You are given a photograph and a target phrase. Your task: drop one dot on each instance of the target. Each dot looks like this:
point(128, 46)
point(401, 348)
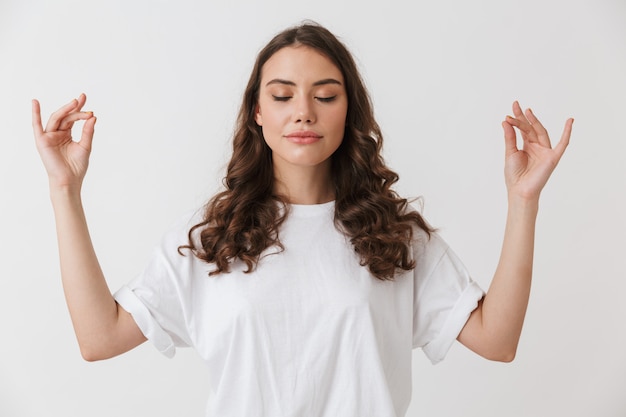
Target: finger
point(525, 127)
point(517, 111)
point(510, 139)
point(68, 121)
point(82, 98)
point(564, 141)
point(86, 137)
point(542, 134)
point(36, 119)
point(55, 118)
point(520, 121)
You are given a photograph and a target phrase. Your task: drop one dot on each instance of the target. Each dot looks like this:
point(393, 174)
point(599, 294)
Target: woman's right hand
point(65, 160)
point(103, 328)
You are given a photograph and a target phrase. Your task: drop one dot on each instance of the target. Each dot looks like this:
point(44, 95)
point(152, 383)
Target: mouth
point(303, 137)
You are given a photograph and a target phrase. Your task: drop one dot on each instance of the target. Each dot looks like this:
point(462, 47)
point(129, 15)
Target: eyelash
point(320, 99)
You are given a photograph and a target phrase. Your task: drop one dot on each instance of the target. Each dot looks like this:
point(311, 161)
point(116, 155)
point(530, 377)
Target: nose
point(304, 111)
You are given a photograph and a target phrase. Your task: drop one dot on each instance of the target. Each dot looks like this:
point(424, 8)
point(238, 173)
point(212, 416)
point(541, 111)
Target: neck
point(305, 185)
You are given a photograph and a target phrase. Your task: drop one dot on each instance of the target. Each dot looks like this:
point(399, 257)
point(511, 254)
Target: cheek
point(338, 121)
point(272, 118)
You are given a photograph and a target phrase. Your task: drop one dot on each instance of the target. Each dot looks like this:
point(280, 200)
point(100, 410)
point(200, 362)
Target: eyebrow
point(291, 83)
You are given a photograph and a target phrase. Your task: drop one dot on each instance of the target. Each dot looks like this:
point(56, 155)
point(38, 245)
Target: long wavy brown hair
point(244, 219)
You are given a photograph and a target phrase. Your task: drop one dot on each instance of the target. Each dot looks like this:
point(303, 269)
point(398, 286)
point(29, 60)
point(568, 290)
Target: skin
point(494, 328)
point(302, 168)
point(302, 92)
point(103, 329)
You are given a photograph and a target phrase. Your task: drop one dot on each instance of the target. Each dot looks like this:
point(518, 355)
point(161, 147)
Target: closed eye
point(326, 99)
point(281, 98)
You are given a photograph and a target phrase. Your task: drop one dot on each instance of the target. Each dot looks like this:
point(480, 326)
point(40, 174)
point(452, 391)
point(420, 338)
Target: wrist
point(64, 192)
point(524, 205)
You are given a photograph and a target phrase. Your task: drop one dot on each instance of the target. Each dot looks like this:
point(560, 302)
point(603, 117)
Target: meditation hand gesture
point(527, 170)
point(65, 160)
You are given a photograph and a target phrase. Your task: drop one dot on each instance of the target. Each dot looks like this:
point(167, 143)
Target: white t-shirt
point(310, 332)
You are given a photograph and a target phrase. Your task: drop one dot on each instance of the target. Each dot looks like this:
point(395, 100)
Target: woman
point(307, 282)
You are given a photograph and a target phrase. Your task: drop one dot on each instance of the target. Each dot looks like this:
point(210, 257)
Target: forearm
point(504, 306)
point(494, 327)
point(91, 305)
point(102, 327)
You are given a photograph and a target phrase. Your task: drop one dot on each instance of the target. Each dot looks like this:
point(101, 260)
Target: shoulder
point(176, 234)
point(428, 246)
point(429, 249)
point(172, 260)
point(425, 241)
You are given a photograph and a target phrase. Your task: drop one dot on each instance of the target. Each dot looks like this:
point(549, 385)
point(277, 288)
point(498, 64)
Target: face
point(302, 108)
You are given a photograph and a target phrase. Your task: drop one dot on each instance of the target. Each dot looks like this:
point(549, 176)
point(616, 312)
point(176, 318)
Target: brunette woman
point(306, 283)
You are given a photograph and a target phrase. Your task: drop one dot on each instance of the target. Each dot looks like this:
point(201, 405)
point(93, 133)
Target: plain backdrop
point(165, 79)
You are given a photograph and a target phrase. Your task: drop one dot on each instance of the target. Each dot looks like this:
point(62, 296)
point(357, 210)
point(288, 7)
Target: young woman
point(307, 282)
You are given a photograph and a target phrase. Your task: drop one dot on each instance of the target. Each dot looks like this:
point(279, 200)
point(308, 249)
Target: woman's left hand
point(527, 170)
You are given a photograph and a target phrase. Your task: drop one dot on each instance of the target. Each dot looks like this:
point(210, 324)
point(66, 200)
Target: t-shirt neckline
point(309, 210)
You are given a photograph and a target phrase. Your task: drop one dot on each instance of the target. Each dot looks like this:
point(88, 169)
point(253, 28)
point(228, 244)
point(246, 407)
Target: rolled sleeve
point(437, 348)
point(159, 298)
point(145, 321)
point(445, 296)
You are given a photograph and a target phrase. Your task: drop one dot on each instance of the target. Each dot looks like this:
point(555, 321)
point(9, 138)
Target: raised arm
point(493, 329)
point(102, 327)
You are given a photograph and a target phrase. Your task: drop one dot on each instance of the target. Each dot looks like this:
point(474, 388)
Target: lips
point(303, 137)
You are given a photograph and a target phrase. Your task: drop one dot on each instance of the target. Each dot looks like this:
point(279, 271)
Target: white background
point(165, 79)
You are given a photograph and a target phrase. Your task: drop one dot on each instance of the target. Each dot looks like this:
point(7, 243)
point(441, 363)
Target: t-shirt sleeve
point(444, 297)
point(159, 298)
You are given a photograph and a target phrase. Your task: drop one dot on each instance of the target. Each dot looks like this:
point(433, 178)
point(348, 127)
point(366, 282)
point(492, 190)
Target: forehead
point(300, 64)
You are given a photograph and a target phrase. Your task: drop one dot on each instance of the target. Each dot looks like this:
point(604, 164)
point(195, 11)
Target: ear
point(257, 115)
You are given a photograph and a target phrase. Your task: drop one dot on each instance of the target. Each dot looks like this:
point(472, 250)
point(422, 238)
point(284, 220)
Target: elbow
point(94, 351)
point(506, 355)
point(508, 358)
point(90, 355)
point(88, 358)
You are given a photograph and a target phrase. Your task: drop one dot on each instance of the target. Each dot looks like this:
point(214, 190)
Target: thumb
point(86, 137)
point(510, 139)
